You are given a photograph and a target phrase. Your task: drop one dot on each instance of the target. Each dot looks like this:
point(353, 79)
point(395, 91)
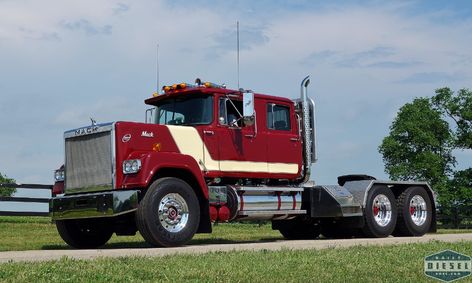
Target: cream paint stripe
point(189, 142)
point(290, 168)
point(243, 166)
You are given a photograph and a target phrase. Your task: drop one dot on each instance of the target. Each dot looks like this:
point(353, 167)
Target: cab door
point(241, 149)
point(284, 151)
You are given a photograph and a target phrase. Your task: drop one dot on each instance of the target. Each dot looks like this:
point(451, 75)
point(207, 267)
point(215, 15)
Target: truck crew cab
point(211, 154)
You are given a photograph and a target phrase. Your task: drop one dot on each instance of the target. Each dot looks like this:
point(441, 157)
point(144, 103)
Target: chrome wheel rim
point(173, 212)
point(382, 210)
point(417, 209)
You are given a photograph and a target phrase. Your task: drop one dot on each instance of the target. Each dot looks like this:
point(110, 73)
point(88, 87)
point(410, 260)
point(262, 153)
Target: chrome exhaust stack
point(308, 129)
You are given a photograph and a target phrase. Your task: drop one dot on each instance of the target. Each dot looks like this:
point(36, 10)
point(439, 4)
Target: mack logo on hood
point(147, 134)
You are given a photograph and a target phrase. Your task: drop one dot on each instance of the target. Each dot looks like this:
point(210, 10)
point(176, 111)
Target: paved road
point(44, 255)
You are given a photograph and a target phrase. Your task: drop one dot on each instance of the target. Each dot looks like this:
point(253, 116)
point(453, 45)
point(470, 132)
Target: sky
point(62, 62)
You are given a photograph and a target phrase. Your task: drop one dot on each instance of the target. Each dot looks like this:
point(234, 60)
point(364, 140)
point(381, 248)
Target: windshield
point(194, 110)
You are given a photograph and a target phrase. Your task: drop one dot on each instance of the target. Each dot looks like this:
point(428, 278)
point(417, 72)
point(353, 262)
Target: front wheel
point(84, 233)
point(380, 213)
point(169, 213)
point(414, 212)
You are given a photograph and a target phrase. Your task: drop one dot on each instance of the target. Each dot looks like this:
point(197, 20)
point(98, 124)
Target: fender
point(152, 162)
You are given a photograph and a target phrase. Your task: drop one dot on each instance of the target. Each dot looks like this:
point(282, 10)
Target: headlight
point(59, 175)
point(131, 166)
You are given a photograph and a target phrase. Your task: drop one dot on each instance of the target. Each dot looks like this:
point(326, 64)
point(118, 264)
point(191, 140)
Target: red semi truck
point(207, 154)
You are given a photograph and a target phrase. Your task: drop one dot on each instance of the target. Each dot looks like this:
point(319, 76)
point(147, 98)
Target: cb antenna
point(237, 46)
point(157, 69)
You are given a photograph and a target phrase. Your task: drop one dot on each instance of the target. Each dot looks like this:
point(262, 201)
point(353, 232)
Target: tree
point(6, 191)
point(419, 145)
point(462, 187)
point(458, 107)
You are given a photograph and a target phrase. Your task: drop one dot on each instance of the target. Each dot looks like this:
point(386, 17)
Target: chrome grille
point(88, 162)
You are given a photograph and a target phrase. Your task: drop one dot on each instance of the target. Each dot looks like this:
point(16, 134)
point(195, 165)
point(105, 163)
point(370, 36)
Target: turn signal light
point(209, 84)
point(156, 147)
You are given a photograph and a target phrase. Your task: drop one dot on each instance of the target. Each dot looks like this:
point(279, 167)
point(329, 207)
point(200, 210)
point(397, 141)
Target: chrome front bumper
point(104, 204)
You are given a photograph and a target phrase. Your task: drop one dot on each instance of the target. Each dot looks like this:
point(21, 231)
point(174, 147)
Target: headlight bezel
point(131, 166)
point(59, 175)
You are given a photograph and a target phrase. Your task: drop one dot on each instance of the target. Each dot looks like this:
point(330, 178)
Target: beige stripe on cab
point(190, 143)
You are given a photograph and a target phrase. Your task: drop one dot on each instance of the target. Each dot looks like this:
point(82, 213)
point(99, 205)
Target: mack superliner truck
point(210, 154)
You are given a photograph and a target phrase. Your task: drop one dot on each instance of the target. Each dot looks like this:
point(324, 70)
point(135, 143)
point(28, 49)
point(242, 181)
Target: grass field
point(36, 233)
point(403, 263)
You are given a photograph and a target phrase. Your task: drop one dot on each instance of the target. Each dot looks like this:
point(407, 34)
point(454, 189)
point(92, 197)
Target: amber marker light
point(156, 147)
point(183, 85)
point(207, 84)
point(155, 94)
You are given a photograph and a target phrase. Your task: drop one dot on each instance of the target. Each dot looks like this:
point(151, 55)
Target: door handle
point(294, 139)
point(249, 136)
point(210, 133)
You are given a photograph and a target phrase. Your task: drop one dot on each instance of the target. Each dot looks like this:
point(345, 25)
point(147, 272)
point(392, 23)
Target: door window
point(230, 112)
point(278, 117)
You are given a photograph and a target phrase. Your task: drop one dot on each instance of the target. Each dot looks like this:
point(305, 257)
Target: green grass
point(403, 263)
point(36, 233)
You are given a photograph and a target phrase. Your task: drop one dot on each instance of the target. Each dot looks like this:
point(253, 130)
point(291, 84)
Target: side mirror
point(248, 108)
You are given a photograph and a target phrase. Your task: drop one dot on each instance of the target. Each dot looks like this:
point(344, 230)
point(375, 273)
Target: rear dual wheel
point(410, 214)
point(414, 212)
point(380, 214)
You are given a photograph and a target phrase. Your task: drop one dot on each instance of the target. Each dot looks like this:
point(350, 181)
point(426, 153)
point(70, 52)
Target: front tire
point(169, 213)
point(414, 212)
point(380, 213)
point(84, 233)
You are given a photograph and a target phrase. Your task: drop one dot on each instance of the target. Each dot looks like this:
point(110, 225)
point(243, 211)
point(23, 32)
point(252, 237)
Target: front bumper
point(91, 205)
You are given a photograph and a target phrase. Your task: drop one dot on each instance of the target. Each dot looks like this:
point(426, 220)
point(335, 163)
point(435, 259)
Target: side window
point(230, 112)
point(278, 117)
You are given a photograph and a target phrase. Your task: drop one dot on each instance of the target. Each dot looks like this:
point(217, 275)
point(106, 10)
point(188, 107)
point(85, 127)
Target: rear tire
point(169, 213)
point(297, 229)
point(84, 233)
point(380, 212)
point(414, 212)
